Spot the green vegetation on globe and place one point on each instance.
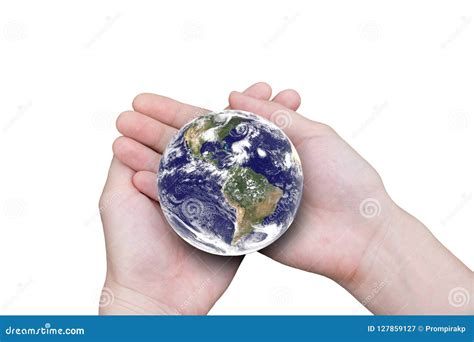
(250, 193)
(253, 197)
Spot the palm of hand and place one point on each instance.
(333, 227)
(342, 200)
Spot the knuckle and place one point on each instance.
(326, 128)
(101, 202)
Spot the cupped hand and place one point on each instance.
(150, 269)
(344, 205)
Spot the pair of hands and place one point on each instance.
(342, 224)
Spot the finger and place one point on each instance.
(146, 183)
(145, 130)
(295, 125)
(168, 111)
(135, 155)
(175, 114)
(288, 98)
(156, 134)
(260, 90)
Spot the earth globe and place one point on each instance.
(230, 182)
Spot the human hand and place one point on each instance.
(329, 235)
(348, 228)
(150, 269)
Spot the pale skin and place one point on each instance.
(386, 258)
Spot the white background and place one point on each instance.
(395, 79)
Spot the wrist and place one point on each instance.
(116, 299)
(380, 262)
(406, 270)
(380, 242)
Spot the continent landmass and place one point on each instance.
(207, 129)
(252, 196)
(250, 193)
